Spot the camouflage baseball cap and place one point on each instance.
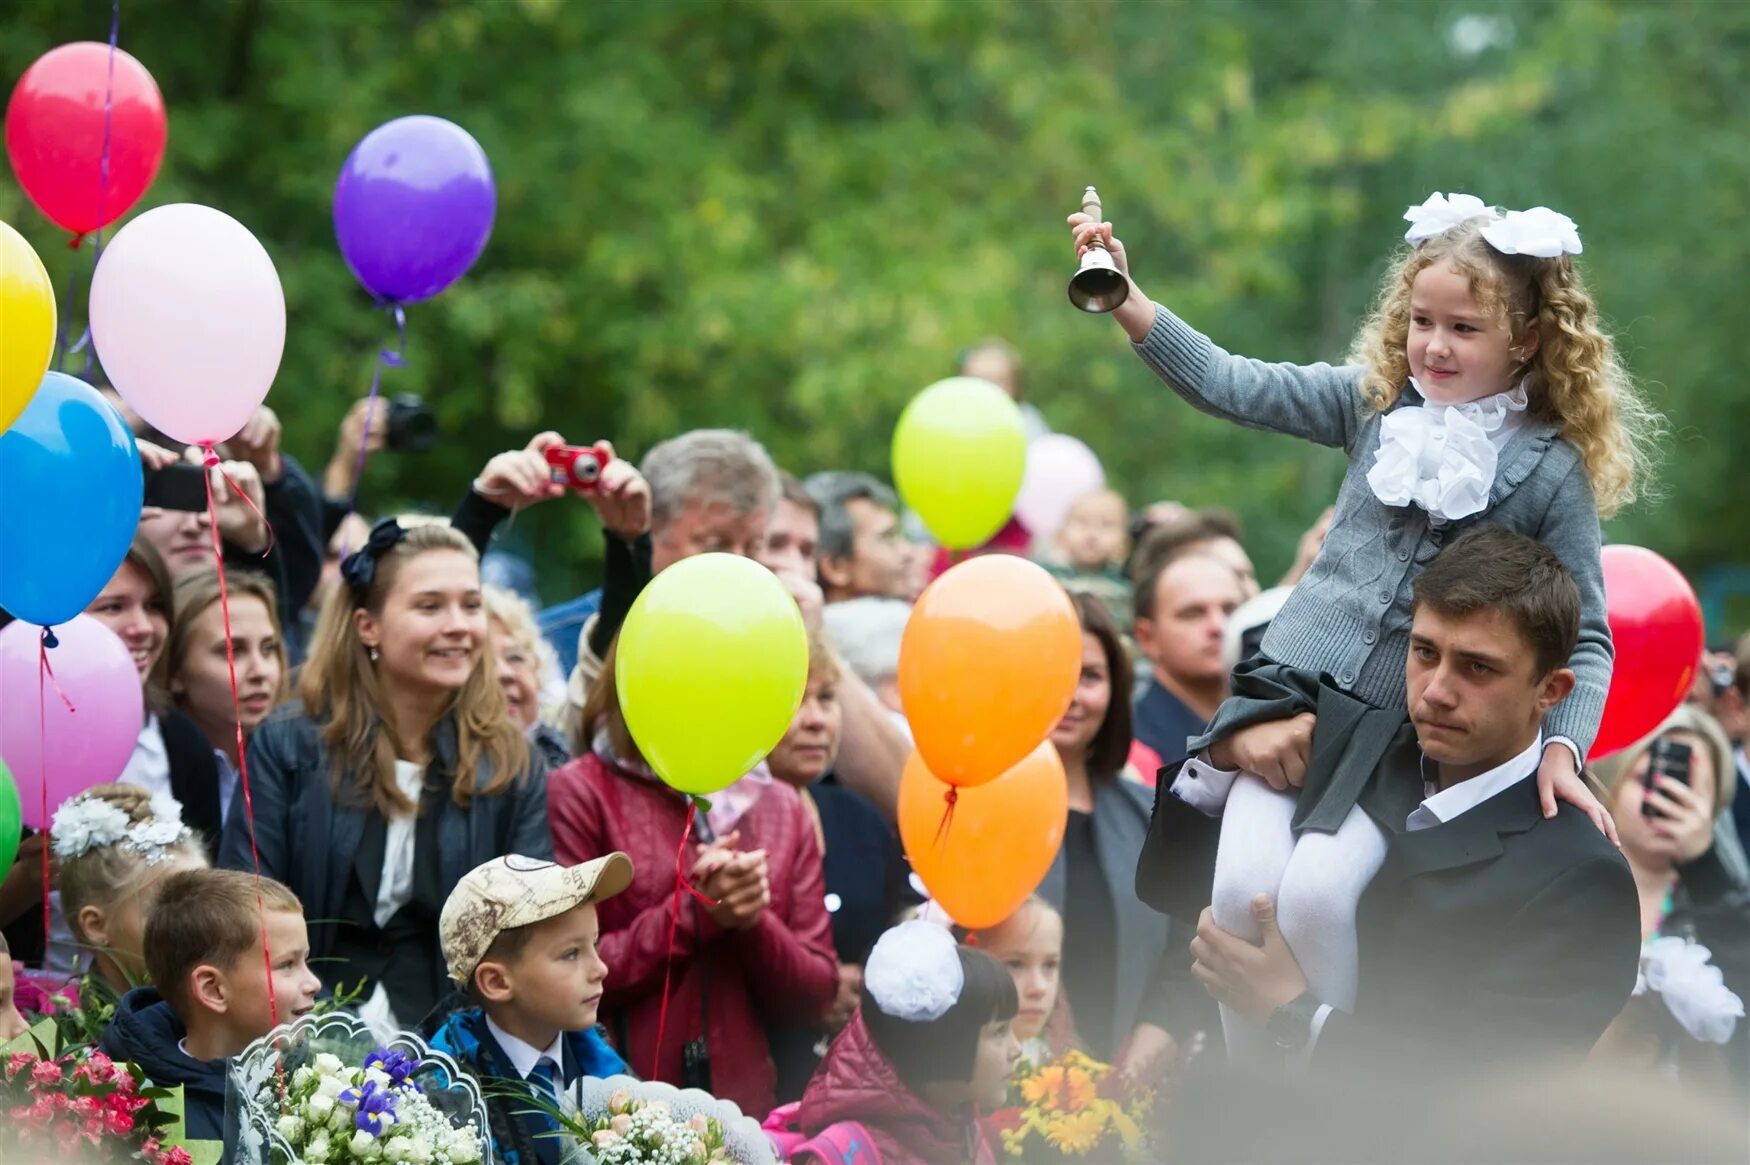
(514, 891)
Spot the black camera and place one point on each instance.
(412, 426)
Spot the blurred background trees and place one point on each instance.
(789, 216)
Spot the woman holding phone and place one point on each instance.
(1667, 793)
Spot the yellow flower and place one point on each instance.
(1067, 1089)
(1077, 1133)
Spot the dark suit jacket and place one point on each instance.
(1497, 935)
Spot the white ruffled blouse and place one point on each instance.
(1443, 458)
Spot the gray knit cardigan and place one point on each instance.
(1350, 615)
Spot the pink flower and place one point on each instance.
(177, 1156)
(17, 1061)
(46, 1072)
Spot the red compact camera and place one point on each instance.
(577, 467)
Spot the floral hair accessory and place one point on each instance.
(914, 972)
(1440, 213)
(359, 569)
(1540, 232)
(85, 823)
(1693, 989)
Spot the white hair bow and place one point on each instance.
(1540, 231)
(914, 972)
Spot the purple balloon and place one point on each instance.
(413, 207)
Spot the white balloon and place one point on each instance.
(1060, 471)
(189, 320)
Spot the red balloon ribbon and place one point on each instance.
(45, 674)
(212, 462)
(681, 886)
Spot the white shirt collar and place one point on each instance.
(524, 1055)
(1461, 798)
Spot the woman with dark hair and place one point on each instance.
(398, 772)
(226, 639)
(930, 1048)
(1125, 967)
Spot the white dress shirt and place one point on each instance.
(525, 1057)
(396, 888)
(149, 766)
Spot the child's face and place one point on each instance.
(116, 933)
(1458, 352)
(1030, 945)
(250, 1013)
(12, 1024)
(998, 1053)
(1094, 533)
(555, 982)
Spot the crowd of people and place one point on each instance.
(1341, 824)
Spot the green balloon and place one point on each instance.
(959, 453)
(11, 819)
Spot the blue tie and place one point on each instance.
(543, 1080)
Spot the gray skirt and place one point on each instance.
(1361, 755)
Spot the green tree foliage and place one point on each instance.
(789, 215)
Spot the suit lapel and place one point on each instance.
(1471, 837)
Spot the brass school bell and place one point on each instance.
(1098, 287)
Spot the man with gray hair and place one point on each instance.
(863, 552)
(867, 633)
(710, 490)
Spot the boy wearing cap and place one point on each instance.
(519, 938)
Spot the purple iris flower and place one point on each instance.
(375, 1105)
(397, 1064)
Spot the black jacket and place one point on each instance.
(308, 839)
(1496, 936)
(146, 1032)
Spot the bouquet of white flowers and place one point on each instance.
(621, 1121)
(402, 1104)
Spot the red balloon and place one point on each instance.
(55, 133)
(1655, 622)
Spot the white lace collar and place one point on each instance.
(1444, 457)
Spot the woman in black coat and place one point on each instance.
(397, 773)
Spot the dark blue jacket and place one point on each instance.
(517, 1126)
(147, 1032)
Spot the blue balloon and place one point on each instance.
(70, 491)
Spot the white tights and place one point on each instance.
(1316, 880)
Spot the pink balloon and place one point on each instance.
(189, 320)
(1060, 470)
(92, 741)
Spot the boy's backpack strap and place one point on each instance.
(844, 1143)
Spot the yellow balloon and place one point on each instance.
(27, 324)
(713, 660)
(959, 453)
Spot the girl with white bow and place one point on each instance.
(1481, 388)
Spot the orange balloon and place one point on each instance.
(987, 666)
(999, 844)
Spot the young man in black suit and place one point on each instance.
(1491, 933)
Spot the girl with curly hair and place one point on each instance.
(1481, 389)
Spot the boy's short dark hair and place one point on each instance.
(1491, 567)
(206, 918)
(792, 491)
(1158, 547)
(507, 946)
(944, 1050)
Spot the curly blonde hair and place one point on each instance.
(1575, 381)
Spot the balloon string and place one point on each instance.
(386, 358)
(674, 922)
(44, 673)
(951, 798)
(212, 460)
(83, 344)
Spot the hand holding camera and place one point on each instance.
(1675, 811)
